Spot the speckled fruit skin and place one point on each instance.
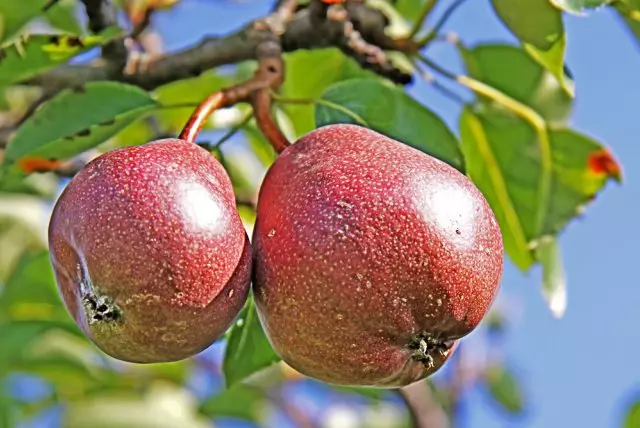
(367, 251)
(149, 252)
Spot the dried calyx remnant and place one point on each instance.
(101, 308)
(424, 345)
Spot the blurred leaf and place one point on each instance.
(535, 22)
(77, 120)
(259, 145)
(538, 25)
(6, 408)
(18, 335)
(16, 237)
(510, 70)
(161, 407)
(410, 9)
(505, 389)
(16, 14)
(31, 292)
(504, 160)
(629, 12)
(64, 17)
(309, 73)
(554, 284)
(248, 349)
(36, 53)
(579, 6)
(392, 112)
(632, 419)
(187, 91)
(240, 402)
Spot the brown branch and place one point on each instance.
(424, 410)
(103, 14)
(304, 30)
(257, 91)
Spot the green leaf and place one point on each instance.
(36, 53)
(77, 120)
(16, 236)
(505, 389)
(538, 25)
(579, 6)
(64, 17)
(248, 349)
(14, 15)
(372, 393)
(309, 73)
(632, 419)
(240, 402)
(512, 71)
(554, 282)
(392, 112)
(503, 155)
(535, 22)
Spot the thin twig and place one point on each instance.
(447, 14)
(424, 410)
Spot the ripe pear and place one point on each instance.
(371, 258)
(150, 255)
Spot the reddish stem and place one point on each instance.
(261, 101)
(201, 114)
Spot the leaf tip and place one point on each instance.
(602, 162)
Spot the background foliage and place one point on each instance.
(514, 137)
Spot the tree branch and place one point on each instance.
(303, 31)
(103, 14)
(425, 411)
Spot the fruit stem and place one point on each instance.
(261, 102)
(201, 114)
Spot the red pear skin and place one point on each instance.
(371, 258)
(150, 255)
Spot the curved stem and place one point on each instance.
(200, 115)
(261, 101)
(441, 22)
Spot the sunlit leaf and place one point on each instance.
(161, 407)
(504, 160)
(36, 53)
(512, 71)
(309, 73)
(579, 6)
(554, 281)
(16, 237)
(77, 120)
(505, 389)
(392, 112)
(248, 349)
(629, 13)
(538, 25)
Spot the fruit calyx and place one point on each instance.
(425, 346)
(98, 307)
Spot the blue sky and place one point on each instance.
(583, 369)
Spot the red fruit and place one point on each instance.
(371, 258)
(149, 252)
